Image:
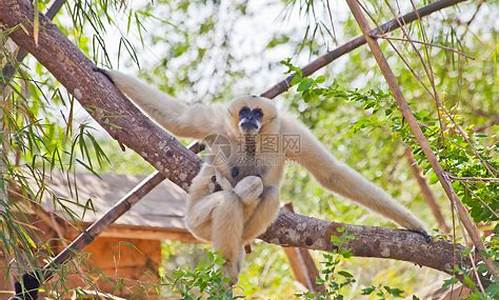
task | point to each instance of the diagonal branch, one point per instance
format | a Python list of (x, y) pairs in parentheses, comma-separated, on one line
[(426, 190), (118, 116)]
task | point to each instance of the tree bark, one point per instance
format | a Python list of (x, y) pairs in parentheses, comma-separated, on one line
[(367, 241), (120, 117), (124, 122)]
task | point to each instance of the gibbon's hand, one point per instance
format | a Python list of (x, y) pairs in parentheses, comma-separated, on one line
[(103, 72), (249, 189)]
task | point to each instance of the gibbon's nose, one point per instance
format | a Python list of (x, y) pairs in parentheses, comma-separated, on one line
[(249, 125)]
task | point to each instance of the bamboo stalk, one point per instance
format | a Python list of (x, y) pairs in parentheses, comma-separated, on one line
[(419, 135)]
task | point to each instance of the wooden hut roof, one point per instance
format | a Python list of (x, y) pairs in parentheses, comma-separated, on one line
[(159, 215)]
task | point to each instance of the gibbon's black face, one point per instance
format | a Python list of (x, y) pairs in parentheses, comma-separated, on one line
[(253, 115), (250, 120)]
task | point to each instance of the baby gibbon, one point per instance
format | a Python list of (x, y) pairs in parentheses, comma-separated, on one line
[(235, 196)]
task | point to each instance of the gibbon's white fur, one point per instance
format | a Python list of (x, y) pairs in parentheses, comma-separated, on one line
[(235, 197)]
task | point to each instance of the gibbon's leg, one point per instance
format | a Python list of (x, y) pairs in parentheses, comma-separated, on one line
[(199, 210), (198, 218), (264, 214), (227, 230), (218, 218)]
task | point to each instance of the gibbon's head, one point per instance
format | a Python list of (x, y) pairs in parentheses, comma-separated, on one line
[(252, 114)]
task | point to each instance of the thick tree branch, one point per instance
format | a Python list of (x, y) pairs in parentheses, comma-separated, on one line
[(9, 69), (367, 241), (130, 127), (120, 117)]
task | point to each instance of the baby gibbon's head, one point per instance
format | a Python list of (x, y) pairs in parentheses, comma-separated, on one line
[(252, 114)]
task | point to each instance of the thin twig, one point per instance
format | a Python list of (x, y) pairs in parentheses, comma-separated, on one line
[(472, 18), (485, 126), (479, 199), (474, 179), (435, 95), (385, 37), (427, 65)]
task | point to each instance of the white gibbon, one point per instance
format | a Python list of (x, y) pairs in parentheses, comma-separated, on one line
[(235, 196)]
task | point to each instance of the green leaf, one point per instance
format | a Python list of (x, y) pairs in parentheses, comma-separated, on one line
[(368, 290)]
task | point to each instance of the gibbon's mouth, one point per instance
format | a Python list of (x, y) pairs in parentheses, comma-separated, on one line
[(249, 126)]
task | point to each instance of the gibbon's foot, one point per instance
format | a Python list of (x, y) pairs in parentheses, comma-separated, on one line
[(231, 272), (103, 72), (249, 189), (423, 233)]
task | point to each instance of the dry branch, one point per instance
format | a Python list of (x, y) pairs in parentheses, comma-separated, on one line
[(90, 233), (405, 109), (426, 190), (129, 126)]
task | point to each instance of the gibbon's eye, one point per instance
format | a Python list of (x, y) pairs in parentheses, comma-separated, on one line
[(258, 113), (244, 111)]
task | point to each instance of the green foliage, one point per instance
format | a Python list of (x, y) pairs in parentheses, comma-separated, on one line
[(469, 160), (205, 281), (384, 292), (333, 279)]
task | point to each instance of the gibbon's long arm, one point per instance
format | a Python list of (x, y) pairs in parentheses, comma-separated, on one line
[(340, 178), (193, 121)]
